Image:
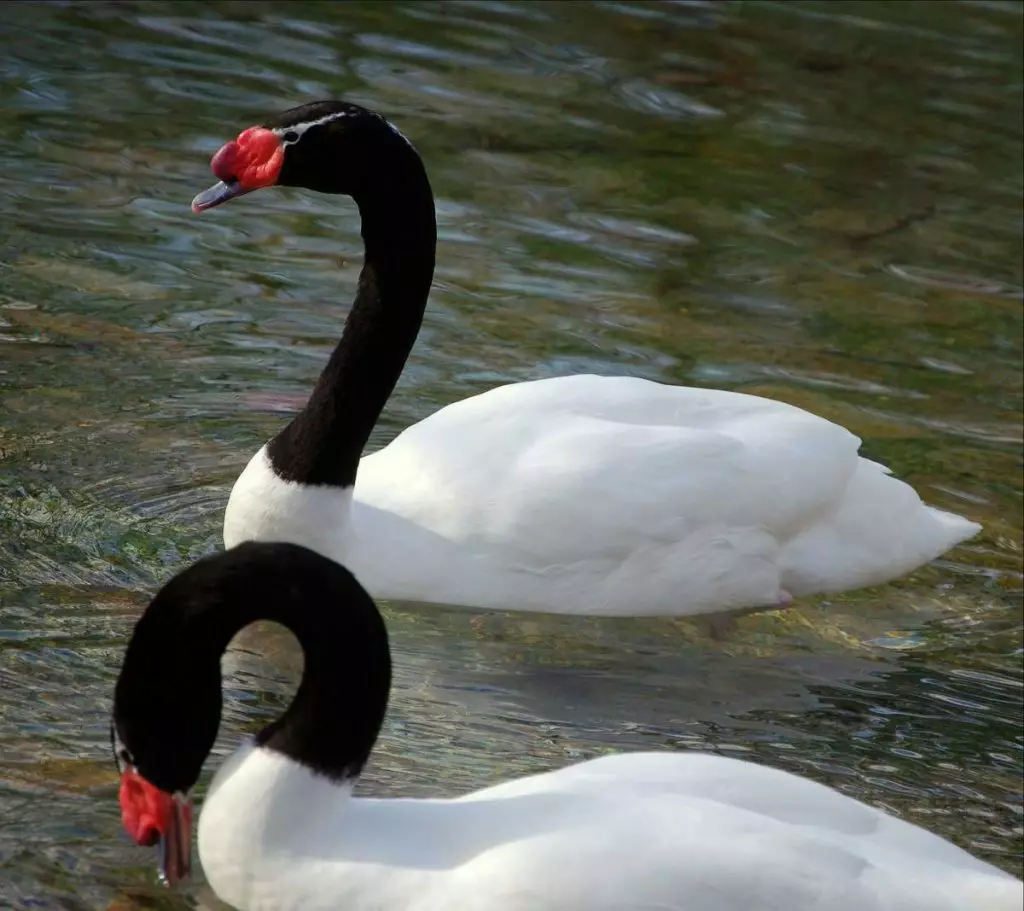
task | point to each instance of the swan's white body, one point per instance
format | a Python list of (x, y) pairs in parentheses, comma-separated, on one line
[(629, 832), (607, 495)]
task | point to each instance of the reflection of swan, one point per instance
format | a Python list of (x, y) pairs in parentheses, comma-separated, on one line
[(281, 829), (580, 494)]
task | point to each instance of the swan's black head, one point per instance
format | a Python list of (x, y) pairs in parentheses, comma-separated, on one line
[(327, 146), (167, 702)]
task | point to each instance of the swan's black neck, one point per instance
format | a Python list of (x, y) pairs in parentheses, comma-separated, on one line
[(324, 442), (167, 702)]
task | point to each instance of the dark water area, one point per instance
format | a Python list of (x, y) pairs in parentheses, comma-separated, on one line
[(819, 202)]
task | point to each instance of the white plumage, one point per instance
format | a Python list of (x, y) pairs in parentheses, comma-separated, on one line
[(628, 832), (607, 495)]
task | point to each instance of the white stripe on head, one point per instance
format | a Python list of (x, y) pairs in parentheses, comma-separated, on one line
[(300, 128)]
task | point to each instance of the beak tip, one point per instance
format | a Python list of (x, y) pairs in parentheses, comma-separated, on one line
[(216, 195), (176, 843)]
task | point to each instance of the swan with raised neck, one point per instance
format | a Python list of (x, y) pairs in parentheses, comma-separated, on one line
[(579, 494)]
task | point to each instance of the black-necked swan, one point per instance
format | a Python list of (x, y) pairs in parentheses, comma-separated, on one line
[(578, 494), (281, 830)]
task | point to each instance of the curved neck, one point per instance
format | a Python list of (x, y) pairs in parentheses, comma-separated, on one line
[(167, 703), (333, 721), (324, 442)]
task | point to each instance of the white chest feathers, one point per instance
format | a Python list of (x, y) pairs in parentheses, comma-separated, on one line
[(263, 507)]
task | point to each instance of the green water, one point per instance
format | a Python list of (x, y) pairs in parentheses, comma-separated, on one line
[(818, 202)]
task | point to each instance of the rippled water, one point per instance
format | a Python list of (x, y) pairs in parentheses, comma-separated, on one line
[(818, 202)]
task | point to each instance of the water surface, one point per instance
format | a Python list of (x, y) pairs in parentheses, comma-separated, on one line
[(817, 202)]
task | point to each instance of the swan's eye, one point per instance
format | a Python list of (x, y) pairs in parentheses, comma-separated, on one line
[(290, 137)]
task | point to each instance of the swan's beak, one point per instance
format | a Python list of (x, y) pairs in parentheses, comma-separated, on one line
[(176, 841), (219, 193), (155, 817)]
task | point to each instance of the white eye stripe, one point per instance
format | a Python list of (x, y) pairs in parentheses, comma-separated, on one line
[(298, 129)]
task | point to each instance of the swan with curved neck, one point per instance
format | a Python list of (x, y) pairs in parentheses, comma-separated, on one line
[(281, 829), (579, 494)]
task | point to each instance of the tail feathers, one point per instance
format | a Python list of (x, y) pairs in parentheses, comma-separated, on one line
[(949, 528), (880, 531)]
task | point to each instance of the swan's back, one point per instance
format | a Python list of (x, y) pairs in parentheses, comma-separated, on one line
[(665, 831), (618, 459), (620, 399), (616, 495), (696, 832)]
